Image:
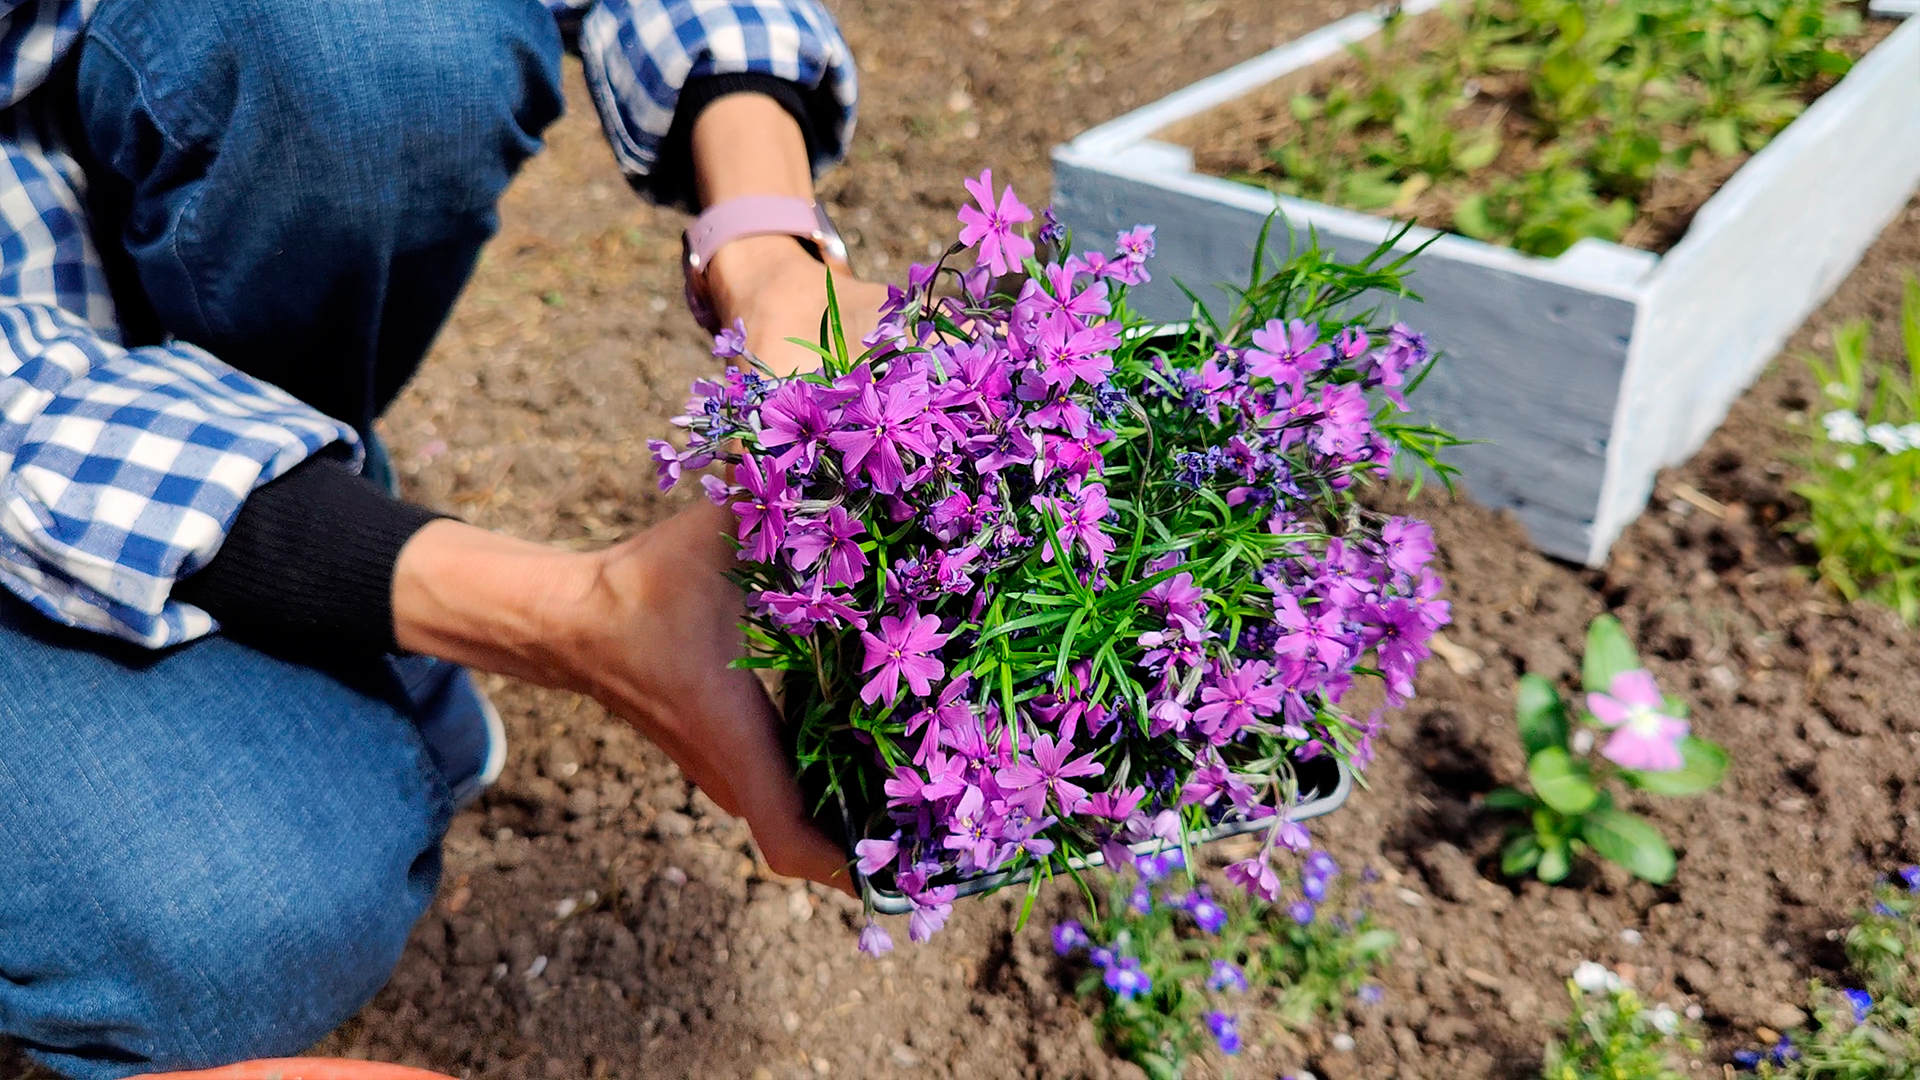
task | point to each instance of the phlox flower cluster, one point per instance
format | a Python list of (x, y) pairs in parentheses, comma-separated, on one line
[(1045, 582)]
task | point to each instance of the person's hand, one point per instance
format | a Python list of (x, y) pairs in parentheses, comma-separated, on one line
[(648, 628), (773, 286)]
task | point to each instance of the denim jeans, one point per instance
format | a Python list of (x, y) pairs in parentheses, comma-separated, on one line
[(212, 853)]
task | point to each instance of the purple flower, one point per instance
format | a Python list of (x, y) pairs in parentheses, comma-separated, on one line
[(1226, 977), (671, 464), (1911, 875), (1070, 937), (1405, 352), (1398, 635), (1345, 425), (763, 515), (1371, 994), (1256, 875), (1101, 956), (1234, 699), (973, 832), (1644, 737), (1088, 303), (1049, 771), (930, 911), (1409, 545), (1051, 231), (731, 342), (1286, 352), (799, 416), (1064, 350), (1126, 980), (837, 537), (1318, 636), (1862, 1003), (901, 650), (1080, 515), (1141, 899), (875, 941), (1207, 913), (800, 612), (1301, 911), (877, 427), (1226, 1031), (1114, 806), (990, 226), (875, 854), (944, 778)]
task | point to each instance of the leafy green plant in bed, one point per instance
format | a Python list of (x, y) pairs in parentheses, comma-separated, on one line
[(1614, 1035), (1869, 1032), (1863, 473), (1542, 122), (1566, 804), (1174, 969)]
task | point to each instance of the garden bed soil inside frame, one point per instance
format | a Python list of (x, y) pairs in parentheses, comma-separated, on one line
[(1581, 375)]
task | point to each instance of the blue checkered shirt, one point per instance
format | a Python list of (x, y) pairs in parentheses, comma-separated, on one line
[(122, 469)]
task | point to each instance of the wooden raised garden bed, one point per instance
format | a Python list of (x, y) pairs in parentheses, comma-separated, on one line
[(1583, 374)]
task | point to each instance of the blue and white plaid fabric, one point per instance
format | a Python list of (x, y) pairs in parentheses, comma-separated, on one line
[(122, 469)]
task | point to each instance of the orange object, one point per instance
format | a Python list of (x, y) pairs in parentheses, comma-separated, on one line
[(304, 1069)]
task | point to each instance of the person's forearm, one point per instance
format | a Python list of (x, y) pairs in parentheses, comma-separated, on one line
[(492, 602)]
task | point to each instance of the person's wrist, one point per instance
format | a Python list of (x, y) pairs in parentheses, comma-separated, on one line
[(497, 604), (752, 270)]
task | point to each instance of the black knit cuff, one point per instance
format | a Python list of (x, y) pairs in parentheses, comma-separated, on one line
[(671, 181), (308, 565)]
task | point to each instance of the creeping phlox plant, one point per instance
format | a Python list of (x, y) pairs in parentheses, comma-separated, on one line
[(1870, 1032), (1646, 745), (1536, 123), (1613, 1035), (1043, 579), (1176, 968), (1863, 477)]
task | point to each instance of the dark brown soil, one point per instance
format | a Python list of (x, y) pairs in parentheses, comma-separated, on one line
[(1234, 139), (668, 952)]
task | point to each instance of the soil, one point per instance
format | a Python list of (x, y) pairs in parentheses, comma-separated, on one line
[(599, 919), (1233, 140)]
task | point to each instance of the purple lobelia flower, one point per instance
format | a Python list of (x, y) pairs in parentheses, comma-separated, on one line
[(1861, 1003), (1126, 980), (1207, 913), (1051, 231), (989, 226), (763, 516), (837, 537), (1910, 875), (1070, 937), (1049, 770), (1226, 976), (1301, 911), (902, 650), (1226, 1031), (1644, 737)]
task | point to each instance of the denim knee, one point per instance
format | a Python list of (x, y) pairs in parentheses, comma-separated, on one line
[(302, 188), (267, 971)]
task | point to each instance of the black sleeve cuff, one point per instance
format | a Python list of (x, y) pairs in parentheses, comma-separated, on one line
[(308, 564), (671, 181)]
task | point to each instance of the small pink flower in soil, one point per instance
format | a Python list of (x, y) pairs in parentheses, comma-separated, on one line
[(1644, 737)]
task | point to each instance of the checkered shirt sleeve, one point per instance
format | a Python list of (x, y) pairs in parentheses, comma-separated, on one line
[(639, 53), (120, 469)]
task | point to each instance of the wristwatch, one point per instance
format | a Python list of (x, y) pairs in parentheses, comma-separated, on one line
[(753, 215)]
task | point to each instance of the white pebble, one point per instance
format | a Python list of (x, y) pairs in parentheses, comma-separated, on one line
[(1409, 897), (565, 908), (1343, 1042), (1631, 936), (537, 968), (674, 875)]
